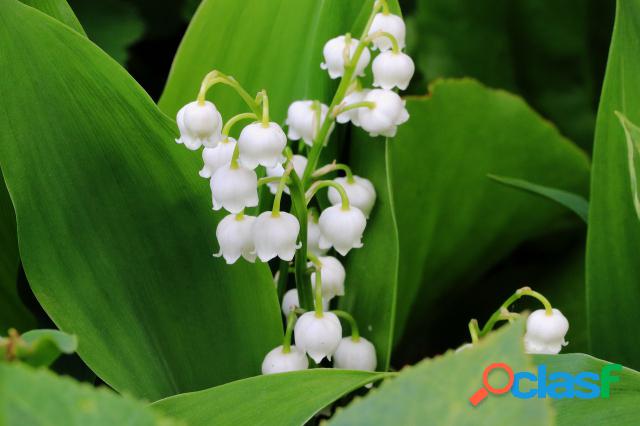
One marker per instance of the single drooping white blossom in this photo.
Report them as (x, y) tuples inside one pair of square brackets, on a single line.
[(360, 192), (333, 275), (389, 23), (304, 120), (290, 301), (545, 333), (388, 112), (357, 354), (334, 55), (313, 236), (392, 69), (276, 235), (299, 164), (318, 336), (199, 125), (341, 228), (235, 237), (278, 361), (234, 188), (214, 158), (261, 145), (352, 97)]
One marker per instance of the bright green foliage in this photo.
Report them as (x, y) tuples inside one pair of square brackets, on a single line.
[(278, 399), (57, 9), (36, 397), (613, 269), (632, 137), (38, 348), (437, 390), (115, 226)]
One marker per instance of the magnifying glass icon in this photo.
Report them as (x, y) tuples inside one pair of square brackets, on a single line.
[(483, 392)]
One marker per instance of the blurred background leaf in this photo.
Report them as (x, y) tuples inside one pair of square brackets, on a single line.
[(613, 269), (116, 231)]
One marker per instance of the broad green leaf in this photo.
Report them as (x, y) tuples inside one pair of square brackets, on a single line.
[(632, 137), (613, 244), (278, 399), (621, 408), (38, 397), (438, 390), (114, 25), (524, 46), (576, 203), (274, 45), (454, 223), (45, 346), (57, 9), (115, 225)]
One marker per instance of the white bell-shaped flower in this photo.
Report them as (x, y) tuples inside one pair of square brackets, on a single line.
[(290, 302), (357, 354), (278, 361), (199, 125), (389, 23), (235, 237), (545, 333), (313, 236), (352, 97), (341, 228), (234, 188), (387, 113), (391, 69), (304, 121), (261, 145), (319, 336), (333, 52), (299, 164), (214, 158), (275, 235), (360, 192), (333, 275)]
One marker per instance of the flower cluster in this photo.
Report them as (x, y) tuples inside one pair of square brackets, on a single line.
[(262, 155)]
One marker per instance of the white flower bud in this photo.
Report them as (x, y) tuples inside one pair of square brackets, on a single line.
[(333, 52), (392, 69), (545, 333), (199, 125), (290, 302), (214, 158), (360, 192), (275, 235), (355, 355), (234, 188), (277, 361), (304, 121), (333, 276), (352, 97), (313, 236), (235, 237), (341, 228), (392, 24), (385, 116), (260, 145), (318, 336), (464, 347), (299, 164)]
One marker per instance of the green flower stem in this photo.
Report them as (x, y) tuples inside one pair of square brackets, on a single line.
[(474, 330), (275, 211), (325, 183), (318, 291), (395, 47), (269, 179), (500, 313), (216, 77), (341, 92), (299, 208), (236, 118), (385, 6), (283, 275), (286, 343), (363, 104), (333, 167), (264, 99), (355, 333)]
